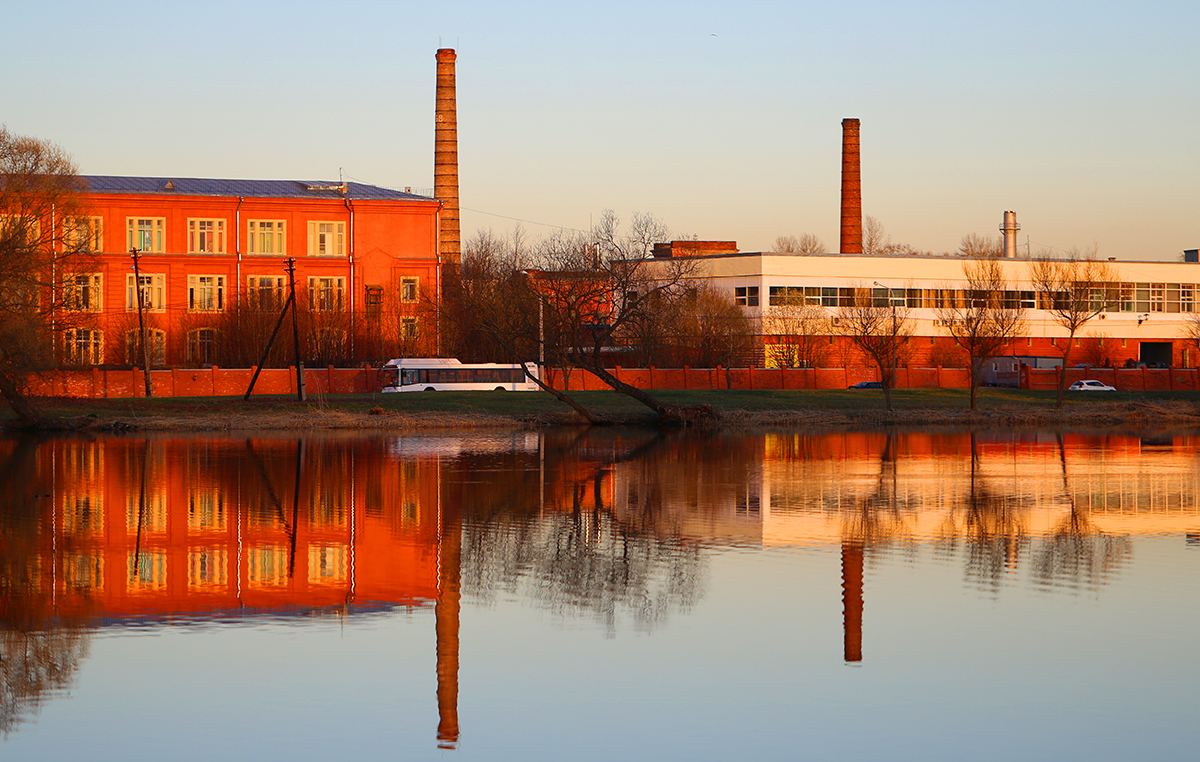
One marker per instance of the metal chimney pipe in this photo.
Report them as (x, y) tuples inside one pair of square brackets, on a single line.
[(445, 156), (1009, 228), (851, 239)]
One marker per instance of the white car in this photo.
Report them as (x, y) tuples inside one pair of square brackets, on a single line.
[(1091, 386)]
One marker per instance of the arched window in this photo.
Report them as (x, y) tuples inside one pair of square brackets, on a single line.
[(83, 346), (202, 346), (133, 347)]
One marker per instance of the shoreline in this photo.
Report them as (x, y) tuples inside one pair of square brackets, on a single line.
[(321, 417)]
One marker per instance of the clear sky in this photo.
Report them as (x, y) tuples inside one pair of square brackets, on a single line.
[(723, 119)]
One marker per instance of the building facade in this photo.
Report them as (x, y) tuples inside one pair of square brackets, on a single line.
[(1149, 308), (213, 278)]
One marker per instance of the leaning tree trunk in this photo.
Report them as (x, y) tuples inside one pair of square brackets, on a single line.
[(684, 415), (28, 415)]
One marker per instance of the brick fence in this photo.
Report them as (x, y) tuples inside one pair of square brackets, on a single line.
[(1125, 379), (219, 382)]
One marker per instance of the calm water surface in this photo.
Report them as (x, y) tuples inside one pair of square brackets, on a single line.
[(606, 594)]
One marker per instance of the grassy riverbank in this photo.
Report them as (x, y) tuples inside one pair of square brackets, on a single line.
[(914, 407)]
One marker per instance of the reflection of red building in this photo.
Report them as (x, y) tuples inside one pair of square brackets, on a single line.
[(143, 529)]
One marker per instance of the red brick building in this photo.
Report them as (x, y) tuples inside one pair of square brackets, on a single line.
[(367, 270)]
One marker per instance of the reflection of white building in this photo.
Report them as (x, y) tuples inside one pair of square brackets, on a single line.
[(1143, 322)]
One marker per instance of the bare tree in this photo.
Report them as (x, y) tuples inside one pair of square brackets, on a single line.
[(806, 243), (880, 326), (800, 334), (1190, 331), (980, 246), (986, 319), (597, 287), (710, 329), (1073, 291), (874, 238), (45, 267)]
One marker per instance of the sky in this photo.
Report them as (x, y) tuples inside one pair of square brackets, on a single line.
[(721, 119)]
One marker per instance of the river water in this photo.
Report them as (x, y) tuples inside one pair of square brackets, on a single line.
[(601, 594)]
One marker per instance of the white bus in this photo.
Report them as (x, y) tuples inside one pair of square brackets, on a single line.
[(436, 374)]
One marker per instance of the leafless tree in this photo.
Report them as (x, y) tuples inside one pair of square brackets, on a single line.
[(806, 243), (1190, 330), (880, 326), (596, 287), (977, 246), (1073, 291), (45, 245), (799, 334), (984, 320)]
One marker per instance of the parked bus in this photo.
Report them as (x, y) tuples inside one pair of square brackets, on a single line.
[(437, 374)]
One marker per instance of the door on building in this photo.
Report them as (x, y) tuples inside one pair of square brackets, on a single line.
[(1156, 354)]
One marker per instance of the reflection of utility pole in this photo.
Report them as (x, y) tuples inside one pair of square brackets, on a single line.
[(291, 268), (137, 287), (296, 507)]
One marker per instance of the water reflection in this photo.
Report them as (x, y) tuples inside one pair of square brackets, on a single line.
[(615, 525)]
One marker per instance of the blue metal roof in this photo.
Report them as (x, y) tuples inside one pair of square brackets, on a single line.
[(192, 186)]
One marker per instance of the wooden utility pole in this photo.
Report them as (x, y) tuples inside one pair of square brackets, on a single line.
[(291, 268), (137, 287)]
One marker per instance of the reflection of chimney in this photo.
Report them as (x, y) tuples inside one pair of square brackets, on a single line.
[(851, 242), (852, 600), (1009, 228), (446, 613), (445, 155)]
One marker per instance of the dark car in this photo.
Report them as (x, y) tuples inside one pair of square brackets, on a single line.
[(866, 385)]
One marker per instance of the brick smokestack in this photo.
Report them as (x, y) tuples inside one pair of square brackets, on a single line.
[(851, 241), (445, 156)]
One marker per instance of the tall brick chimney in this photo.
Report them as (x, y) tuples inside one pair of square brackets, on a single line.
[(851, 240), (445, 156)]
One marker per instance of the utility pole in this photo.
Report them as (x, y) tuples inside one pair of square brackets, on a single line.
[(137, 286), (291, 268)]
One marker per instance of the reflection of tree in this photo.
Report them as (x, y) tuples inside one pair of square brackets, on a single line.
[(1077, 554), (35, 664), (994, 524), (39, 651), (574, 553)]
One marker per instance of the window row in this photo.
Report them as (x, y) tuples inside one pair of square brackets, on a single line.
[(1117, 297), (208, 236), (85, 346), (208, 293)]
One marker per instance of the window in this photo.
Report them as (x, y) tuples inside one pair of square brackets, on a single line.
[(746, 296), (374, 302), (133, 347), (326, 294), (1156, 297), (206, 293), (83, 234), (408, 328), (21, 226), (783, 296), (326, 239), (83, 346), (83, 292), (207, 568), (153, 296), (206, 236), (326, 563), (147, 570), (265, 291), (1187, 297), (201, 349), (266, 237), (408, 289), (146, 233), (267, 566)]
